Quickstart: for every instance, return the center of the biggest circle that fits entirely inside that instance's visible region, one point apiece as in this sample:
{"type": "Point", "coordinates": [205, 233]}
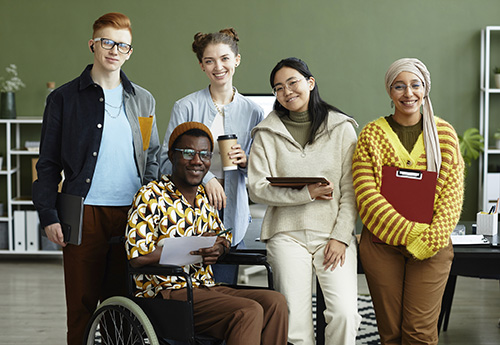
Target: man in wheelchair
{"type": "Point", "coordinates": [177, 206]}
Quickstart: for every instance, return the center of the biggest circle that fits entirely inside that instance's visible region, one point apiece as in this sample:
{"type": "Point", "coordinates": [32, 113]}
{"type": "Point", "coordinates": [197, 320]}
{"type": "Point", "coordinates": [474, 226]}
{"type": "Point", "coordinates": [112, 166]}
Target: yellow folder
{"type": "Point", "coordinates": [146, 125]}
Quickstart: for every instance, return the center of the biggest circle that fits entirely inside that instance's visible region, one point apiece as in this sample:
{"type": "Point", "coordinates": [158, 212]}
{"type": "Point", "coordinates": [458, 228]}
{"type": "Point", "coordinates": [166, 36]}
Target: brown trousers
{"type": "Point", "coordinates": [406, 292]}
{"type": "Point", "coordinates": [240, 316]}
{"type": "Point", "coordinates": [94, 270]}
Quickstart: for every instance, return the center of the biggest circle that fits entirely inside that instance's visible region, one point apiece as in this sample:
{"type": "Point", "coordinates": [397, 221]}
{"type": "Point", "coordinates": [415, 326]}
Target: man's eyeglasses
{"type": "Point", "coordinates": [291, 85]}
{"type": "Point", "coordinates": [401, 87]}
{"type": "Point", "coordinates": [189, 154]}
{"type": "Point", "coordinates": [108, 44]}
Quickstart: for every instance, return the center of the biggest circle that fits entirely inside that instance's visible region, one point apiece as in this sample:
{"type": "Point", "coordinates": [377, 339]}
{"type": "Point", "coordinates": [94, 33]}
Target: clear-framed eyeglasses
{"type": "Point", "coordinates": [109, 44]}
{"type": "Point", "coordinates": [291, 85]}
{"type": "Point", "coordinates": [189, 154]}
{"type": "Point", "coordinates": [414, 86]}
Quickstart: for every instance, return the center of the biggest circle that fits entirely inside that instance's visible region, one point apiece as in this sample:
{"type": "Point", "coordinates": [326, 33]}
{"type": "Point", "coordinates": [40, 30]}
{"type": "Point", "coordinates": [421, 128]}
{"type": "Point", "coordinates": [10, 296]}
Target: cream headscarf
{"type": "Point", "coordinates": [431, 139]}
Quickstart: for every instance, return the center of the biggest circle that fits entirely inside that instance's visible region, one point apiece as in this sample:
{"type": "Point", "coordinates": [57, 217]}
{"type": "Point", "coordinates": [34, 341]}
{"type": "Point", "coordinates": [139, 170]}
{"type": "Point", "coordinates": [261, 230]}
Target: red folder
{"type": "Point", "coordinates": [410, 192]}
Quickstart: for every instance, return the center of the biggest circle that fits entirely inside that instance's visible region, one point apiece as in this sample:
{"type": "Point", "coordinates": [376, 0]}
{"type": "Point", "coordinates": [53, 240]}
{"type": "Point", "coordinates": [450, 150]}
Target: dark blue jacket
{"type": "Point", "coordinates": [71, 137]}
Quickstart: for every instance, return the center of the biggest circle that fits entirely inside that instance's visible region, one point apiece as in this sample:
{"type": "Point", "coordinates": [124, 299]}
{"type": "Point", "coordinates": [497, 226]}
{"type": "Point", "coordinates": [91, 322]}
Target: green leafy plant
{"type": "Point", "coordinates": [497, 134]}
{"type": "Point", "coordinates": [471, 145]}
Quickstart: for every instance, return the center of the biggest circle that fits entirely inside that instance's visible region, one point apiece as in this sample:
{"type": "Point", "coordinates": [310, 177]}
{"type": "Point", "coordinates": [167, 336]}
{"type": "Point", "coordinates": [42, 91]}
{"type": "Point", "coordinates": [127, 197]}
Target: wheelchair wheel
{"type": "Point", "coordinates": [119, 321]}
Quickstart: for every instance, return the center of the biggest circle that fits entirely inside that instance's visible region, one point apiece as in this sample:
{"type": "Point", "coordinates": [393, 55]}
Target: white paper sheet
{"type": "Point", "coordinates": [176, 249]}
{"type": "Point", "coordinates": [468, 239]}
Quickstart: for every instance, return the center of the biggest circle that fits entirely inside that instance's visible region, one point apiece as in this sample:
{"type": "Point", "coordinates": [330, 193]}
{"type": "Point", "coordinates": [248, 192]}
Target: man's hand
{"type": "Point", "coordinates": [334, 254]}
{"type": "Point", "coordinates": [55, 234]}
{"type": "Point", "coordinates": [212, 254]}
{"type": "Point", "coordinates": [215, 193]}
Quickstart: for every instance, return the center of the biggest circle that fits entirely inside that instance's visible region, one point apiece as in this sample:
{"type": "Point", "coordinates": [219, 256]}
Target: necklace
{"type": "Point", "coordinates": [219, 110]}
{"type": "Point", "coordinates": [114, 107]}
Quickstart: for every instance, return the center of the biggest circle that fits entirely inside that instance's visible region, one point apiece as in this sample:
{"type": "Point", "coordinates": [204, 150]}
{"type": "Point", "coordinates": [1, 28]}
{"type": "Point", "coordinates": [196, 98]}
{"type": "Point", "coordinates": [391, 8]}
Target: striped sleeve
{"type": "Point", "coordinates": [449, 196]}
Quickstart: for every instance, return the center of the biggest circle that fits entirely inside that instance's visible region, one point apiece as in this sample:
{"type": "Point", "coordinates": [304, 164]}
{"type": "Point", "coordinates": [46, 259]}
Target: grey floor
{"type": "Point", "coordinates": [32, 309]}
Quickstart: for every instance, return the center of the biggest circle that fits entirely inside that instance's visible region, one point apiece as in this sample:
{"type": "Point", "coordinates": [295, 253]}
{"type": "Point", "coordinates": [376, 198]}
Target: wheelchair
{"type": "Point", "coordinates": [132, 320]}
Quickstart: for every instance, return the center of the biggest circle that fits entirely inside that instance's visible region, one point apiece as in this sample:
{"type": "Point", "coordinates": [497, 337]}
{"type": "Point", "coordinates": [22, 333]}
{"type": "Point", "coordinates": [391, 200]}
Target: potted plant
{"type": "Point", "coordinates": [496, 73]}
{"type": "Point", "coordinates": [8, 88]}
{"type": "Point", "coordinates": [471, 145]}
{"type": "Point", "coordinates": [497, 138]}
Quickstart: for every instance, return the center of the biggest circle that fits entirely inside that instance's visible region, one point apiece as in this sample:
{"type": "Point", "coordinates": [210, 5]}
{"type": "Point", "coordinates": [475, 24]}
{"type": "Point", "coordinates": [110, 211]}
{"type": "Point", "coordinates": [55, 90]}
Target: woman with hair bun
{"type": "Point", "coordinates": [225, 111]}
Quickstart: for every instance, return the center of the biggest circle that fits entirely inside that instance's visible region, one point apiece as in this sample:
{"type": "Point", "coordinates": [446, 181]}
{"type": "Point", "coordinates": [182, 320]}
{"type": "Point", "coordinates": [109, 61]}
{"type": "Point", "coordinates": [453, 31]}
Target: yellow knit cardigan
{"type": "Point", "coordinates": [379, 145]}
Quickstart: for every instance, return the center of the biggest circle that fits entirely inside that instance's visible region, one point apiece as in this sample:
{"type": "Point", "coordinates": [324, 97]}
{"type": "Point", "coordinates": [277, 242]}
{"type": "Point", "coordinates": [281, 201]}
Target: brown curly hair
{"type": "Point", "coordinates": [227, 36]}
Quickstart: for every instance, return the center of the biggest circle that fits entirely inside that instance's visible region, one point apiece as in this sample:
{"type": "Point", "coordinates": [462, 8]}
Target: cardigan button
{"type": "Point", "coordinates": [99, 125]}
{"type": "Point", "coordinates": [87, 180]}
{"type": "Point", "coordinates": [101, 99]}
{"type": "Point", "coordinates": [303, 154]}
{"type": "Point", "coordinates": [408, 163]}
{"type": "Point", "coordinates": [94, 154]}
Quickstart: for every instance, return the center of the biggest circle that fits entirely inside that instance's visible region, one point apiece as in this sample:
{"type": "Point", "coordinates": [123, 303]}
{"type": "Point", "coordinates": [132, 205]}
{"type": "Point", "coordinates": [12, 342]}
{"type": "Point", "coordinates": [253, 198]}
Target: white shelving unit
{"type": "Point", "coordinates": [489, 182]}
{"type": "Point", "coordinates": [15, 200]}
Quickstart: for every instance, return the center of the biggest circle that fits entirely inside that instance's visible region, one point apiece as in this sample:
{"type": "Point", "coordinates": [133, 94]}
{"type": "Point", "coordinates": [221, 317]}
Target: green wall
{"type": "Point", "coordinates": [348, 45]}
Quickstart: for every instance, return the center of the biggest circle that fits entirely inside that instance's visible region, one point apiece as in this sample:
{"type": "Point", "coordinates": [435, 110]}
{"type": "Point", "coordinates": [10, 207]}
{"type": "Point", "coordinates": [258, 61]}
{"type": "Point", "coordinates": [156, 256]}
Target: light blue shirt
{"type": "Point", "coordinates": [116, 178]}
{"type": "Point", "coordinates": [241, 115]}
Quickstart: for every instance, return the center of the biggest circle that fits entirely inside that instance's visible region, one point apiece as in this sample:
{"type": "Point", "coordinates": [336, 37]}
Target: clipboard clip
{"type": "Point", "coordinates": [408, 173]}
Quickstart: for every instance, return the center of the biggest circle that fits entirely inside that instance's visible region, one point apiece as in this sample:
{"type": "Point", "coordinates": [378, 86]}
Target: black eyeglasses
{"type": "Point", "coordinates": [189, 154]}
{"type": "Point", "coordinates": [108, 44]}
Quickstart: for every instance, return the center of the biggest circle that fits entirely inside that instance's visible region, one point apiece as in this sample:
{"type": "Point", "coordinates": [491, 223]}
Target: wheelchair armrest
{"type": "Point", "coordinates": [238, 258]}
{"type": "Point", "coordinates": [244, 257]}
{"type": "Point", "coordinates": [164, 270]}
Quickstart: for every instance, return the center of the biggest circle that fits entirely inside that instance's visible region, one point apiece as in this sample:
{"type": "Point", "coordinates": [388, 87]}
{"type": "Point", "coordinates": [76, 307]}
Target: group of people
{"type": "Point", "coordinates": [100, 130]}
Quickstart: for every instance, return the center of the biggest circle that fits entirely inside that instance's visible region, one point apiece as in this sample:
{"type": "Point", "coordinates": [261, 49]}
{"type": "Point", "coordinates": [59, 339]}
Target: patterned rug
{"type": "Point", "coordinates": [367, 333]}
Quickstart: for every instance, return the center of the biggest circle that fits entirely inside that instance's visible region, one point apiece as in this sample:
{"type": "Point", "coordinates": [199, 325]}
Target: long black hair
{"type": "Point", "coordinates": [318, 109]}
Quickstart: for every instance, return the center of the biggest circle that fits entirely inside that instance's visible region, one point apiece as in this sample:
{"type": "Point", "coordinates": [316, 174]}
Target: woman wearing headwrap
{"type": "Point", "coordinates": [407, 262]}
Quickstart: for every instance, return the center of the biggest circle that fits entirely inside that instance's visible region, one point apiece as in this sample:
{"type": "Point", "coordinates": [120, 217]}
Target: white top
{"type": "Point", "coordinates": [217, 129]}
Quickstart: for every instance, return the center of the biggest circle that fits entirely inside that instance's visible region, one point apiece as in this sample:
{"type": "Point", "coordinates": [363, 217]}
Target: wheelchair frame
{"type": "Point", "coordinates": [134, 320]}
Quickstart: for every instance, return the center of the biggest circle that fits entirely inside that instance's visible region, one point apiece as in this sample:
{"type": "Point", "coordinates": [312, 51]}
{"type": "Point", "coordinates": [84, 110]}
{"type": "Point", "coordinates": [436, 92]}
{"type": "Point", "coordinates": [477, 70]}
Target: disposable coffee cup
{"type": "Point", "coordinates": [225, 143]}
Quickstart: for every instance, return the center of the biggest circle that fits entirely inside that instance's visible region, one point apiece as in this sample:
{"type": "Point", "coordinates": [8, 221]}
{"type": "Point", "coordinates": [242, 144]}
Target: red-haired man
{"type": "Point", "coordinates": [100, 130]}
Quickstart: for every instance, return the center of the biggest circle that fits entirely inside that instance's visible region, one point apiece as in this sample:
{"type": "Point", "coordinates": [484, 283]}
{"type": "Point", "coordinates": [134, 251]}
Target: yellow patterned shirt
{"type": "Point", "coordinates": [377, 146]}
{"type": "Point", "coordinates": [160, 211]}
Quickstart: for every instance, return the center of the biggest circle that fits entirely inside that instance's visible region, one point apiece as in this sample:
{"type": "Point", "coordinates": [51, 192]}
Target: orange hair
{"type": "Point", "coordinates": [115, 20]}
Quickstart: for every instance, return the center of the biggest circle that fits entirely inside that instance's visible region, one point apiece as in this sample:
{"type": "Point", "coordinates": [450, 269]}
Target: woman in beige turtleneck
{"type": "Point", "coordinates": [308, 230]}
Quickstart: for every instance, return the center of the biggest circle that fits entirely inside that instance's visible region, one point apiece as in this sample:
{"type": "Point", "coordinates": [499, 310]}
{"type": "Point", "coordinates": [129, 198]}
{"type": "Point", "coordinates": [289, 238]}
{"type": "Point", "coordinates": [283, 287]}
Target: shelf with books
{"type": "Point", "coordinates": [19, 225]}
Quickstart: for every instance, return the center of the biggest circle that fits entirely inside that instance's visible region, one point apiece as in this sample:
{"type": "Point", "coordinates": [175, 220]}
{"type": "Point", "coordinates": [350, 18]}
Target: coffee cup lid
{"type": "Point", "coordinates": [227, 136]}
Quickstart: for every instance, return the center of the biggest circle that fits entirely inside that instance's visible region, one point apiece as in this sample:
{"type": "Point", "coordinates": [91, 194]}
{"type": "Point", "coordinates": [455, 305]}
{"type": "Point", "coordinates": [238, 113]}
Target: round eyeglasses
{"type": "Point", "coordinates": [291, 85]}
{"type": "Point", "coordinates": [109, 44]}
{"type": "Point", "coordinates": [189, 154]}
{"type": "Point", "coordinates": [401, 87]}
